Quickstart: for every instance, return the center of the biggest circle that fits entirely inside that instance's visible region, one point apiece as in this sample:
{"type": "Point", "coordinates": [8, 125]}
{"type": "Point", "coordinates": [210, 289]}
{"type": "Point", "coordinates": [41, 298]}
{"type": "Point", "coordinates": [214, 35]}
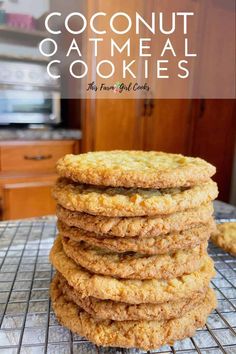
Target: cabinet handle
{"type": "Point", "coordinates": [148, 107]}
{"type": "Point", "coordinates": [38, 157]}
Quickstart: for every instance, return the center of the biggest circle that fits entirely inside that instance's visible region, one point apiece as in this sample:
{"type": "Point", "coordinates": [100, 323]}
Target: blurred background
{"type": "Point", "coordinates": [40, 127]}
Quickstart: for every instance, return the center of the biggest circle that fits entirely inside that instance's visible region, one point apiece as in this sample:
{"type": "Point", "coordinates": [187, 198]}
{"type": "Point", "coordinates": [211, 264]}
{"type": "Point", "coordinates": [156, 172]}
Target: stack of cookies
{"type": "Point", "coordinates": [131, 253]}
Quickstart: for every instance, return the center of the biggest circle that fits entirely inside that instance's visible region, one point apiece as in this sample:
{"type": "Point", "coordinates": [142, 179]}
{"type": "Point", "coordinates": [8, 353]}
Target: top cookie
{"type": "Point", "coordinates": [135, 169]}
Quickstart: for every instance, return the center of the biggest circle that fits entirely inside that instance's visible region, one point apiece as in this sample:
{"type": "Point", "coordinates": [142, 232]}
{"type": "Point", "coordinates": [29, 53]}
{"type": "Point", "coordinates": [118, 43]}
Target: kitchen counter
{"type": "Point", "coordinates": [39, 134]}
{"type": "Point", "coordinates": [28, 324]}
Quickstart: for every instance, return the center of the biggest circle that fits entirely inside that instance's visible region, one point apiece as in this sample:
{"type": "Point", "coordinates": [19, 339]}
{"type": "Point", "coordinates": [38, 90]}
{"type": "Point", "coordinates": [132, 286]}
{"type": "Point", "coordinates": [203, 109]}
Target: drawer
{"type": "Point", "coordinates": [25, 200]}
{"type": "Point", "coordinates": [34, 156]}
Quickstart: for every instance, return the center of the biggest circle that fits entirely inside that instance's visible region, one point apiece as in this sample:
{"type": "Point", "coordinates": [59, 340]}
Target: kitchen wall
{"type": "Point", "coordinates": [25, 7]}
{"type": "Point", "coordinates": [12, 47]}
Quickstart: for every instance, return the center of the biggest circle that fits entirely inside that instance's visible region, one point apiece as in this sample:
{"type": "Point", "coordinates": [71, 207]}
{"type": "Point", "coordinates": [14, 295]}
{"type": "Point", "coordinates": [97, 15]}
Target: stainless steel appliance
{"type": "Point", "coordinates": [28, 95]}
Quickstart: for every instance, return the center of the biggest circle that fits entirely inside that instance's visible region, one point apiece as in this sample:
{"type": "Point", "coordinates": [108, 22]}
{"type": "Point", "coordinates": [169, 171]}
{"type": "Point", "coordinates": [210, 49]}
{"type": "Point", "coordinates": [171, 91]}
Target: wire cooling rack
{"type": "Point", "coordinates": [28, 325]}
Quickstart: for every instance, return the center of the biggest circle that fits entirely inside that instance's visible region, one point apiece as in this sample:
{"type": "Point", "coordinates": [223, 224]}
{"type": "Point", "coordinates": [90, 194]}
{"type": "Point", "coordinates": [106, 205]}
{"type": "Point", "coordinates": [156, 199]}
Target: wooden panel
{"type": "Point", "coordinates": [167, 126]}
{"type": "Point", "coordinates": [116, 125]}
{"type": "Point", "coordinates": [26, 200]}
{"type": "Point", "coordinates": [173, 87]}
{"type": "Point", "coordinates": [104, 48]}
{"type": "Point", "coordinates": [219, 65]}
{"type": "Point", "coordinates": [112, 123]}
{"type": "Point", "coordinates": [33, 156]}
{"type": "Point", "coordinates": [214, 135]}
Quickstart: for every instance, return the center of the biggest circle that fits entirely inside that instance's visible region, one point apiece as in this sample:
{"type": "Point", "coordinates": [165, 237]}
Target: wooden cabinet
{"type": "Point", "coordinates": [204, 128]}
{"type": "Point", "coordinates": [113, 124]}
{"type": "Point", "coordinates": [25, 200]}
{"type": "Point", "coordinates": [214, 137]}
{"type": "Point", "coordinates": [138, 124]}
{"type": "Point", "coordinates": [167, 126]}
{"type": "Point", "coordinates": [33, 156]}
{"type": "Point", "coordinates": [27, 175]}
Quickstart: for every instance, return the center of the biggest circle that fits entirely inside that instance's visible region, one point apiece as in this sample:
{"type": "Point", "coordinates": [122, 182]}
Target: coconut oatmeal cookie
{"type": "Point", "coordinates": [120, 311]}
{"type": "Point", "coordinates": [136, 226]}
{"type": "Point", "coordinates": [132, 265]}
{"type": "Point", "coordinates": [140, 169]}
{"type": "Point", "coordinates": [140, 334]}
{"type": "Point", "coordinates": [130, 291]}
{"type": "Point", "coordinates": [131, 202]}
{"type": "Point", "coordinates": [161, 244]}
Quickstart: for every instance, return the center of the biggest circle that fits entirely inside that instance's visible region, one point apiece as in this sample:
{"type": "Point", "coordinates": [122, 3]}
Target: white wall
{"type": "Point", "coordinates": [35, 8]}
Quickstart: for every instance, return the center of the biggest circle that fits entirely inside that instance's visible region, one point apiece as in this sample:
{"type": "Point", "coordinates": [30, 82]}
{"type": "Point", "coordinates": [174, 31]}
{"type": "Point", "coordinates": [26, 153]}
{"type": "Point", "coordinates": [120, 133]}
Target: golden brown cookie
{"type": "Point", "coordinates": [120, 311]}
{"type": "Point", "coordinates": [136, 226]}
{"type": "Point", "coordinates": [129, 291]}
{"type": "Point", "coordinates": [225, 237]}
{"type": "Point", "coordinates": [147, 245]}
{"type": "Point", "coordinates": [140, 169]}
{"type": "Point", "coordinates": [132, 265]}
{"type": "Point", "coordinates": [141, 334]}
{"type": "Point", "coordinates": [131, 202]}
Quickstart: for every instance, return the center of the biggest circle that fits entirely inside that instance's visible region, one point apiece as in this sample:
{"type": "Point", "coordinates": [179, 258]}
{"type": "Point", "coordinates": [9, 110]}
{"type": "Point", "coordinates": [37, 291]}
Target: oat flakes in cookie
{"type": "Point", "coordinates": [139, 169]}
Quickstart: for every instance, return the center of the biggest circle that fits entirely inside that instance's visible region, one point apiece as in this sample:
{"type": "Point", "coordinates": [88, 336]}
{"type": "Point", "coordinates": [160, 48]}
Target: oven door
{"type": "Point", "coordinates": [29, 107]}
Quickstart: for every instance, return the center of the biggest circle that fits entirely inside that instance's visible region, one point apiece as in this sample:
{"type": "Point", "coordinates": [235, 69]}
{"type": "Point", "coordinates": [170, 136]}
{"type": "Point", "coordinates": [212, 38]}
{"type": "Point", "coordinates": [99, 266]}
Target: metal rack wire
{"type": "Point", "coordinates": [28, 325]}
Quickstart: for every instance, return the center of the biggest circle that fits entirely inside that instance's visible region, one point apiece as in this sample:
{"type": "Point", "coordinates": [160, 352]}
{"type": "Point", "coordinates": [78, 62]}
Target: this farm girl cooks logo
{"type": "Point", "coordinates": [138, 31]}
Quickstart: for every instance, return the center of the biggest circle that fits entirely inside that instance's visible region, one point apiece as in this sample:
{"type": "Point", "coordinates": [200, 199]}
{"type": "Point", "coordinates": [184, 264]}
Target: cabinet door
{"type": "Point", "coordinates": [112, 124]}
{"type": "Point", "coordinates": [25, 200]}
{"type": "Point", "coordinates": [214, 133]}
{"type": "Point", "coordinates": [167, 126]}
{"type": "Point", "coordinates": [29, 156]}
{"type": "Point", "coordinates": [163, 125]}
